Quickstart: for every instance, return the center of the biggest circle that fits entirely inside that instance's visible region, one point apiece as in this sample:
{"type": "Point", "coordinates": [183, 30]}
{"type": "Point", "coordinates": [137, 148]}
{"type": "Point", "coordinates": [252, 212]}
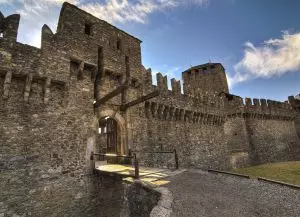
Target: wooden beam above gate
{"type": "Point", "coordinates": [139, 100]}
{"type": "Point", "coordinates": [112, 94]}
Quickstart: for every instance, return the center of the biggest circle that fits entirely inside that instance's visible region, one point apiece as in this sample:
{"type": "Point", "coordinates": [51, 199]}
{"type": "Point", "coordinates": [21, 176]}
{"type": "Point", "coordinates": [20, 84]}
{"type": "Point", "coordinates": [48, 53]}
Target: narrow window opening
{"type": "Point", "coordinates": [119, 44]}
{"type": "Point", "coordinates": [134, 82]}
{"type": "Point", "coordinates": [1, 35]}
{"type": "Point", "coordinates": [87, 29]}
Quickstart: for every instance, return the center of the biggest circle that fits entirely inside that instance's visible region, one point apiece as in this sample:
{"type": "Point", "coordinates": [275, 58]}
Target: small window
{"type": "Point", "coordinates": [119, 44]}
{"type": "Point", "coordinates": [134, 82]}
{"type": "Point", "coordinates": [1, 35]}
{"type": "Point", "coordinates": [87, 29]}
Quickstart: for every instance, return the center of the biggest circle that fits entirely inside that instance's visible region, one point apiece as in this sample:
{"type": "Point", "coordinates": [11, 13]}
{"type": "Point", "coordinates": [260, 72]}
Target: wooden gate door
{"type": "Point", "coordinates": [112, 136]}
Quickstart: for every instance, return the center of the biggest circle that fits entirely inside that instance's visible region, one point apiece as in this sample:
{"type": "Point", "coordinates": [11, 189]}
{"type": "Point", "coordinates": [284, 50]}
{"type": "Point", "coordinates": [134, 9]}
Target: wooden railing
{"type": "Point", "coordinates": [132, 156]}
{"type": "Point", "coordinates": [161, 152]}
{"type": "Point", "coordinates": [135, 160]}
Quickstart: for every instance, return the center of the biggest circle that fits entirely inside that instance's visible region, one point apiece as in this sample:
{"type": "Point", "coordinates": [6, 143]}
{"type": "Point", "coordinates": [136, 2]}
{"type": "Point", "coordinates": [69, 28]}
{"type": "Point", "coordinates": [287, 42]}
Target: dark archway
{"type": "Point", "coordinates": [109, 136]}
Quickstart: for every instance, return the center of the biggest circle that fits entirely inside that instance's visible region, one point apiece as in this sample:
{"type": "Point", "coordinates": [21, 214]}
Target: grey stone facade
{"type": "Point", "coordinates": [49, 125]}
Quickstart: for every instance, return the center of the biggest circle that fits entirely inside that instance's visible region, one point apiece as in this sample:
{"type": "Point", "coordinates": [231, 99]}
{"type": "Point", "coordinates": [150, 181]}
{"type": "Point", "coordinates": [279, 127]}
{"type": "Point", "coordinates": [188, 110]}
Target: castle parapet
{"type": "Point", "coordinates": [9, 28]}
{"type": "Point", "coordinates": [162, 81]}
{"type": "Point", "coordinates": [267, 108]}
{"type": "Point", "coordinates": [176, 86]}
{"type": "Point", "coordinates": [47, 35]}
{"type": "Point", "coordinates": [148, 78]}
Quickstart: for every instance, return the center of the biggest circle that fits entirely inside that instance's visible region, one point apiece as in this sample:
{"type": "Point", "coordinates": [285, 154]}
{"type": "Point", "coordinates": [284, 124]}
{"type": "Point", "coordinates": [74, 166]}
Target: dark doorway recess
{"type": "Point", "coordinates": [109, 132]}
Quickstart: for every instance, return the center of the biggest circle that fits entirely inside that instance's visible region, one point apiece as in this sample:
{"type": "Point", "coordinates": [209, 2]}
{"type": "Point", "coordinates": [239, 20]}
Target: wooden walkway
{"type": "Point", "coordinates": [155, 176]}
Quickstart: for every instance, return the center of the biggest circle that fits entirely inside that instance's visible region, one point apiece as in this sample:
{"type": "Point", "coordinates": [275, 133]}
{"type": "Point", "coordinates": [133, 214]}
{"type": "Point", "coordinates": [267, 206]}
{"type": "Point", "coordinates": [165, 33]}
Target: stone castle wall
{"type": "Point", "coordinates": [88, 57]}
{"type": "Point", "coordinates": [214, 131]}
{"type": "Point", "coordinates": [49, 123]}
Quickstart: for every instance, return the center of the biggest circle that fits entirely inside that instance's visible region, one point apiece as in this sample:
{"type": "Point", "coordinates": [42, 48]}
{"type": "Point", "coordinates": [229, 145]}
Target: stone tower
{"type": "Point", "coordinates": [206, 78]}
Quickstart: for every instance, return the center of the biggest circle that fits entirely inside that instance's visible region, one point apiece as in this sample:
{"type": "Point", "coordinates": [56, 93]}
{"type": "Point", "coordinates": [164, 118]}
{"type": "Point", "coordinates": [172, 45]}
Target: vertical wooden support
{"type": "Point", "coordinates": [127, 64]}
{"type": "Point", "coordinates": [92, 162]}
{"type": "Point", "coordinates": [100, 62]}
{"type": "Point", "coordinates": [127, 78]}
{"type": "Point", "coordinates": [7, 83]}
{"type": "Point", "coordinates": [27, 87]}
{"type": "Point", "coordinates": [176, 159]}
{"type": "Point", "coordinates": [136, 167]}
{"type": "Point", "coordinates": [47, 90]}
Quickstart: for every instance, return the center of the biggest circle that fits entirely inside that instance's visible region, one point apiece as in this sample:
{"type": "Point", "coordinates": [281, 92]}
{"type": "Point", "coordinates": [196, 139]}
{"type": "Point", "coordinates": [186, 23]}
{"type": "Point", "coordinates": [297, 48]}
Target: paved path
{"type": "Point", "coordinates": [198, 193]}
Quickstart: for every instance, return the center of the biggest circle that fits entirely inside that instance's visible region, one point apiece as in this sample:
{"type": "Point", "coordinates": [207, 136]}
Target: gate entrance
{"type": "Point", "coordinates": [109, 134]}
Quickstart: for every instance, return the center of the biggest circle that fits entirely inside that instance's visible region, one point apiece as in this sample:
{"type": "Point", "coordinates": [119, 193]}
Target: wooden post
{"type": "Point", "coordinates": [176, 159]}
{"type": "Point", "coordinates": [136, 167]}
{"type": "Point", "coordinates": [92, 163]}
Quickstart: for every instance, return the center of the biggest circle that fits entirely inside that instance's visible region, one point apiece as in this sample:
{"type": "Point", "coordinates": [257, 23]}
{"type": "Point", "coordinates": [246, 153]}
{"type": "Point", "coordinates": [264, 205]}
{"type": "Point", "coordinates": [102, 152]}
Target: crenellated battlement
{"type": "Point", "coordinates": [162, 82]}
{"type": "Point", "coordinates": [165, 112]}
{"type": "Point", "coordinates": [260, 108]}
{"type": "Point", "coordinates": [9, 29]}
{"type": "Point", "coordinates": [27, 86]}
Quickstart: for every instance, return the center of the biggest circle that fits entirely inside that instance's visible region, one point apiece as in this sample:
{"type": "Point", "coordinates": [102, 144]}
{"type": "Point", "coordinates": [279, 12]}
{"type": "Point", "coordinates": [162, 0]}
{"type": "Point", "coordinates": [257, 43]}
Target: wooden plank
{"type": "Point", "coordinates": [139, 100]}
{"type": "Point", "coordinates": [112, 94]}
{"type": "Point", "coordinates": [229, 173]}
{"type": "Point", "coordinates": [279, 183]}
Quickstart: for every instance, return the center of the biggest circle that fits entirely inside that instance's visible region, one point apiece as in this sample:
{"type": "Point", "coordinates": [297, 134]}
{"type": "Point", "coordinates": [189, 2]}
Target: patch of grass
{"type": "Point", "coordinates": [288, 172]}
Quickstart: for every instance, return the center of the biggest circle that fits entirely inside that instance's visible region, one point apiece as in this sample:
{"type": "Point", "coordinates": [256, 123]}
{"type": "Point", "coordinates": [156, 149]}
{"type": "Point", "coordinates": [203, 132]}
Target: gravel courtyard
{"type": "Point", "coordinates": [198, 193]}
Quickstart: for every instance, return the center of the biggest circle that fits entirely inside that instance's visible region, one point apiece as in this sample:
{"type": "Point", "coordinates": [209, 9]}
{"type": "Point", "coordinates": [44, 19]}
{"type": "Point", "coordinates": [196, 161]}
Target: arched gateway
{"type": "Point", "coordinates": [111, 134]}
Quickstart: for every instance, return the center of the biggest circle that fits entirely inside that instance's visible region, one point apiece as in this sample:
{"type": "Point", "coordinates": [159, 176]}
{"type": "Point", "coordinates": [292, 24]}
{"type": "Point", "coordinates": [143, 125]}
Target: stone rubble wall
{"type": "Point", "coordinates": [140, 199]}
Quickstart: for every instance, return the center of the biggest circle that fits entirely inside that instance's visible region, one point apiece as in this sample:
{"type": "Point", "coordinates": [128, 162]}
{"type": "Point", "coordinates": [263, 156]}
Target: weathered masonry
{"type": "Point", "coordinates": [86, 90]}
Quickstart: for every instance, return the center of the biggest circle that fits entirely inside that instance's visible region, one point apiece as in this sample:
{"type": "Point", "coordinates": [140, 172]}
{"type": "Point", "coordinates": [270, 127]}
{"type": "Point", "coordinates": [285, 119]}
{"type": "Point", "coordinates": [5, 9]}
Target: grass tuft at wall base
{"type": "Point", "coordinates": [288, 172]}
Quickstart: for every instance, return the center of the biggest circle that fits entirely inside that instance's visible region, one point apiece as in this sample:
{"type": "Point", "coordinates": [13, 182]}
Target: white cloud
{"type": "Point", "coordinates": [6, 1]}
{"type": "Point", "coordinates": [32, 9]}
{"type": "Point", "coordinates": [195, 2]}
{"type": "Point", "coordinates": [115, 11]}
{"type": "Point", "coordinates": [35, 13]}
{"type": "Point", "coordinates": [125, 11]}
{"type": "Point", "coordinates": [274, 57]}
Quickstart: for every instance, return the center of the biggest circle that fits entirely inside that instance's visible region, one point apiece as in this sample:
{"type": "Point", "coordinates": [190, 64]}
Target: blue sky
{"type": "Point", "coordinates": [257, 41]}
